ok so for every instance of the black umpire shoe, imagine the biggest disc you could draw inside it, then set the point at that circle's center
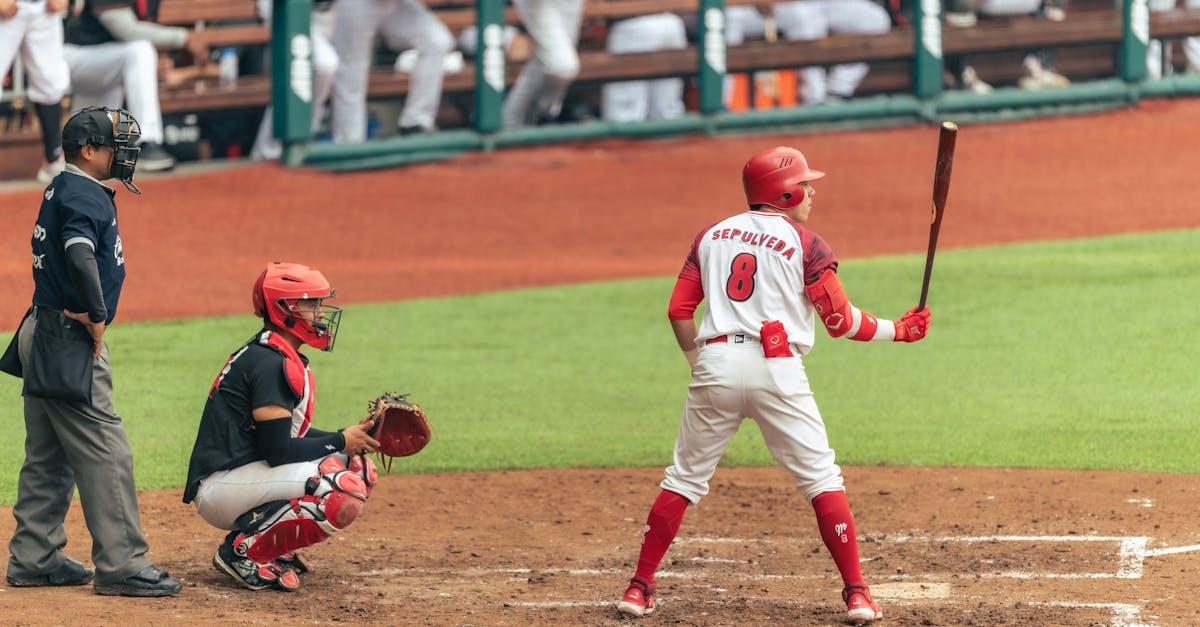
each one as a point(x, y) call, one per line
point(154, 158)
point(147, 582)
point(70, 573)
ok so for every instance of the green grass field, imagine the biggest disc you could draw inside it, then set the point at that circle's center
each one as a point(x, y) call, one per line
point(1074, 354)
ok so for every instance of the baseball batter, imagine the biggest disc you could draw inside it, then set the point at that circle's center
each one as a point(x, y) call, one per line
point(259, 469)
point(34, 28)
point(768, 280)
point(541, 87)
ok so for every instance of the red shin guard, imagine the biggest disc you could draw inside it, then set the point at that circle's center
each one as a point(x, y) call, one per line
point(661, 526)
point(836, 523)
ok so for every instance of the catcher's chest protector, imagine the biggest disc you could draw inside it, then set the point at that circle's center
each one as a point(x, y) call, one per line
point(298, 376)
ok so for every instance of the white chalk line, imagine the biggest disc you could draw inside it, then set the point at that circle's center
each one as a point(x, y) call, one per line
point(1172, 550)
point(1131, 554)
point(894, 593)
point(1124, 614)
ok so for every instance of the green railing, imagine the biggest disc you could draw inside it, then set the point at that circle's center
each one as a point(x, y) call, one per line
point(927, 101)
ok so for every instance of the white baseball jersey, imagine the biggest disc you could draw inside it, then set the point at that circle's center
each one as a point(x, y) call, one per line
point(753, 267)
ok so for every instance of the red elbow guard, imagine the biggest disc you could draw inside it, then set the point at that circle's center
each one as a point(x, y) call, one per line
point(833, 308)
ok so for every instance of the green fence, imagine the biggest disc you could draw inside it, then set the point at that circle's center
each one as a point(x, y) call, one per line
point(926, 102)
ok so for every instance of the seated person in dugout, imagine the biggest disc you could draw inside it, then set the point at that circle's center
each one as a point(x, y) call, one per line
point(258, 468)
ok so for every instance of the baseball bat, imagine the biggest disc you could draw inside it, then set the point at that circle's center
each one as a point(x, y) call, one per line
point(941, 187)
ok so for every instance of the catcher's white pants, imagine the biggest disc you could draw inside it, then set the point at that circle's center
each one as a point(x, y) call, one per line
point(38, 36)
point(658, 99)
point(733, 381)
point(226, 494)
point(118, 74)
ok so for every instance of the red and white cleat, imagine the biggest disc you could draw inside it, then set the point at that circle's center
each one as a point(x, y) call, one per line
point(638, 600)
point(860, 607)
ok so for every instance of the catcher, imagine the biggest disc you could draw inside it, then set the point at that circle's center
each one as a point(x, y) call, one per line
point(258, 468)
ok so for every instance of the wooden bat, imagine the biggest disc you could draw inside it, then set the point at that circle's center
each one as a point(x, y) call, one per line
point(941, 187)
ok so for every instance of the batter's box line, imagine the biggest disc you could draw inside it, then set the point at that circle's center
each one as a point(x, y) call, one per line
point(1124, 614)
point(1131, 553)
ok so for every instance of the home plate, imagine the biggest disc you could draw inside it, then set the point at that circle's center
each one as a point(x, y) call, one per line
point(911, 590)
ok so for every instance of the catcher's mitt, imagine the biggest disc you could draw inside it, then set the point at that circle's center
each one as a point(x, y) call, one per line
point(400, 426)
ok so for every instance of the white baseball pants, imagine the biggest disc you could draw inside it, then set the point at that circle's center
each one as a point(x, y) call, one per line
point(403, 24)
point(325, 65)
point(1191, 45)
point(542, 85)
point(816, 19)
point(227, 494)
point(658, 99)
point(38, 37)
point(118, 74)
point(732, 381)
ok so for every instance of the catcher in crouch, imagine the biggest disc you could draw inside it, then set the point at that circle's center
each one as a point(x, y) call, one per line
point(258, 468)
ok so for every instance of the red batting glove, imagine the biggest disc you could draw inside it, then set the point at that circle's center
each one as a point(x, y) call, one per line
point(913, 325)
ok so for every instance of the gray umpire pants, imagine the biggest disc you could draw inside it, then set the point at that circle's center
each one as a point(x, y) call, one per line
point(69, 444)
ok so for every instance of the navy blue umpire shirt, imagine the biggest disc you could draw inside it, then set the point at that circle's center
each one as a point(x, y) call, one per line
point(76, 208)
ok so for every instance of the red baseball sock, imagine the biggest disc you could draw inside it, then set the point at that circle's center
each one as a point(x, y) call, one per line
point(837, 530)
point(661, 526)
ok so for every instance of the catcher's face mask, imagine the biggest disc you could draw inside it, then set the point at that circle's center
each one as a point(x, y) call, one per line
point(314, 322)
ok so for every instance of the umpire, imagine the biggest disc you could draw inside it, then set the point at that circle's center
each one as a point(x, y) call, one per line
point(72, 434)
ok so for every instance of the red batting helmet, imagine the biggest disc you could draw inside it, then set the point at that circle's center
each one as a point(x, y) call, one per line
point(774, 177)
point(277, 293)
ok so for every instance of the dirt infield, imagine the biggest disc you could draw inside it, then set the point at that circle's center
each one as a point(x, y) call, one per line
point(942, 546)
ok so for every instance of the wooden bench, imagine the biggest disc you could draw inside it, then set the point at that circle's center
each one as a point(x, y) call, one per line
point(1087, 42)
point(225, 22)
point(222, 21)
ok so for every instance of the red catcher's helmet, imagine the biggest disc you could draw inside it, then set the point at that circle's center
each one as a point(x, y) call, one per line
point(276, 297)
point(774, 177)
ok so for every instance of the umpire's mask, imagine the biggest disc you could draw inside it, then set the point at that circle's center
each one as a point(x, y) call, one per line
point(101, 126)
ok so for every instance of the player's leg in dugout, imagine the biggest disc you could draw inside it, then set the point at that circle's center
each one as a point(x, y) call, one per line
point(859, 17)
point(652, 99)
point(357, 22)
point(540, 88)
point(109, 75)
point(805, 21)
point(411, 24)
